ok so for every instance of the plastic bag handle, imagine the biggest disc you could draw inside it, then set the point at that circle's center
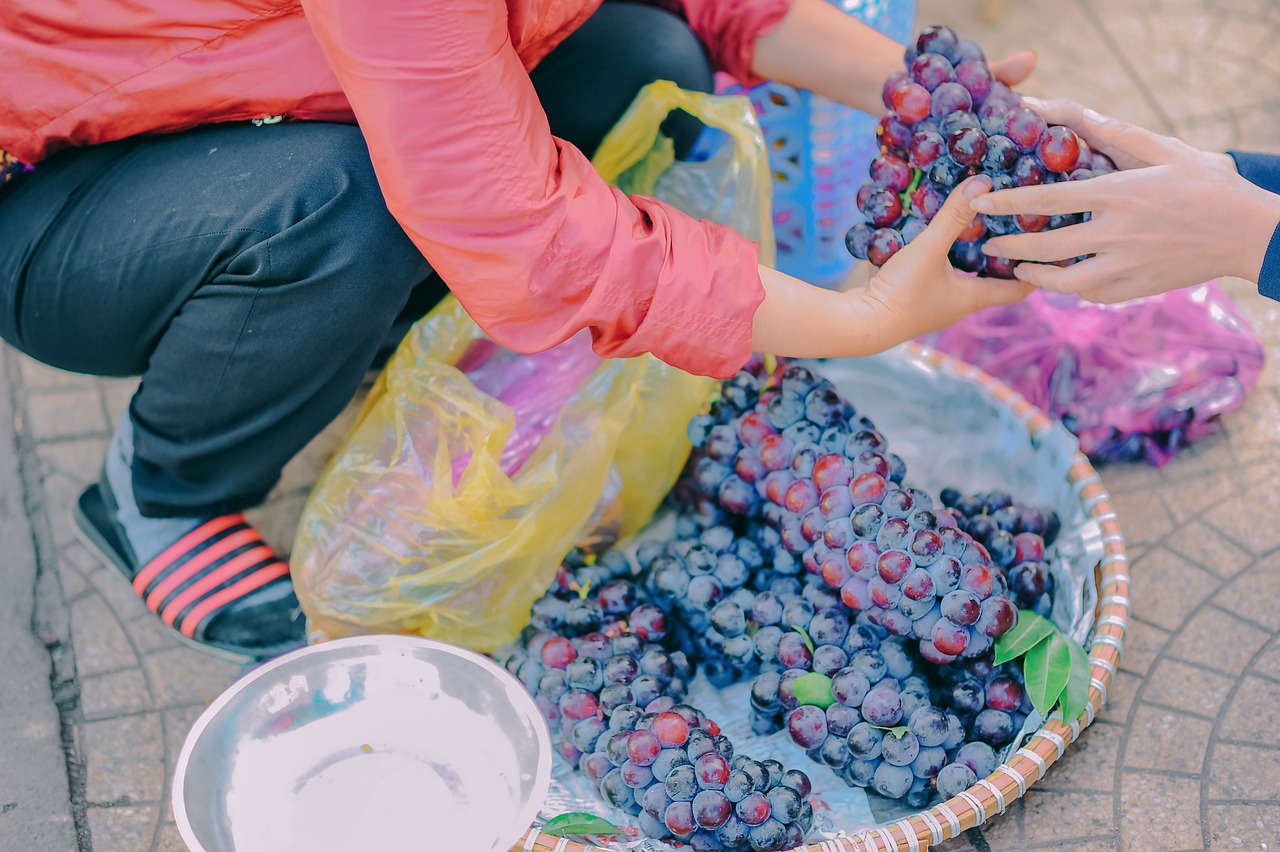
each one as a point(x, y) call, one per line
point(636, 135)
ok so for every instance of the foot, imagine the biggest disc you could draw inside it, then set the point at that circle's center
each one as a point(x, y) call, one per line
point(213, 580)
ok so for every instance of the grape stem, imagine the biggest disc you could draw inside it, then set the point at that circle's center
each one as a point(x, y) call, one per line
point(917, 177)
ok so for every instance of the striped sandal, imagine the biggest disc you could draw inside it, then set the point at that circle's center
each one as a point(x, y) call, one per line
point(220, 586)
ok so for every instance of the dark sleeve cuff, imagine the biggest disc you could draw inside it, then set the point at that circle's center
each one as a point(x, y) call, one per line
point(1269, 277)
point(1260, 169)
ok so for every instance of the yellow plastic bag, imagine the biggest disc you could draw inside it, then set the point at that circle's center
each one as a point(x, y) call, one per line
point(439, 514)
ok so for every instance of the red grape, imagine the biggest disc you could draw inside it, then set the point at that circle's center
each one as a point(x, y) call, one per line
point(884, 244)
point(911, 102)
point(1060, 149)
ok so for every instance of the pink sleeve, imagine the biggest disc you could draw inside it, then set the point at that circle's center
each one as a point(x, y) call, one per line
point(528, 237)
point(729, 29)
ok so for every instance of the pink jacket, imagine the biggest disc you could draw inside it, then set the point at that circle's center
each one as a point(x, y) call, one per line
point(532, 242)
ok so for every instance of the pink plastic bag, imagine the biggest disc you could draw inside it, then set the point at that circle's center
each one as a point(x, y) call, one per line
point(535, 387)
point(1133, 381)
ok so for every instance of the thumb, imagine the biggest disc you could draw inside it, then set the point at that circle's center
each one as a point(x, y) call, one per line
point(1130, 139)
point(955, 215)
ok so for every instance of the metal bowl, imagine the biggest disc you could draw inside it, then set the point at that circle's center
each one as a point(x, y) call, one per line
point(373, 742)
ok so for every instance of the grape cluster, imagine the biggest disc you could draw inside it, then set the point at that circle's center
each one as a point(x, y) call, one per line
point(991, 703)
point(1016, 536)
point(950, 119)
point(674, 770)
point(796, 457)
point(862, 613)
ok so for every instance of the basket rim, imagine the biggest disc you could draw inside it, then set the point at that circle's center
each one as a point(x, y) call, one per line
point(1010, 780)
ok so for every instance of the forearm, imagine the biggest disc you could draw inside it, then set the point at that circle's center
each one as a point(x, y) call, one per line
point(799, 320)
point(820, 48)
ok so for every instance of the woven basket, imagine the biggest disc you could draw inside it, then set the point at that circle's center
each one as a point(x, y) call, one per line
point(991, 795)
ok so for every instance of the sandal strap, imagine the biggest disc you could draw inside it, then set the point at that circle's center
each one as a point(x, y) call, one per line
point(213, 566)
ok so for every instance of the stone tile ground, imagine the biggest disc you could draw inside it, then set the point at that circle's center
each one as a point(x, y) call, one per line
point(1186, 755)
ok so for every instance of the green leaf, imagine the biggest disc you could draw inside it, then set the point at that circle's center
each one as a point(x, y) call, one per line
point(814, 688)
point(1030, 630)
point(1076, 695)
point(808, 643)
point(579, 824)
point(1046, 669)
point(898, 731)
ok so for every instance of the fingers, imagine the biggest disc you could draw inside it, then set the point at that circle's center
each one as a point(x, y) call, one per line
point(1081, 277)
point(1047, 246)
point(1077, 196)
point(991, 292)
point(1110, 134)
point(954, 217)
point(1012, 70)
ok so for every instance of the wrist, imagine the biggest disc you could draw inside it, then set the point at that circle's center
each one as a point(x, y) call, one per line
point(1255, 226)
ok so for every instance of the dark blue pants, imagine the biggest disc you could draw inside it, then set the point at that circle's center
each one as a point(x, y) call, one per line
point(252, 275)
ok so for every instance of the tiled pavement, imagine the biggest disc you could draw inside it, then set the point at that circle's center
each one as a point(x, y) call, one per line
point(1187, 755)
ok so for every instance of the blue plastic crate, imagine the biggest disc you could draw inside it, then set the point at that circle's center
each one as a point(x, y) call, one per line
point(819, 151)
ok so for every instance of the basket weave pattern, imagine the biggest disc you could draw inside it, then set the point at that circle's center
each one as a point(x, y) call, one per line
point(990, 796)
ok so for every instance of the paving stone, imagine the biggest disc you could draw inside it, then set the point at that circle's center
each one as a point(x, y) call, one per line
point(177, 724)
point(122, 829)
point(1120, 695)
point(64, 412)
point(1166, 588)
point(1146, 519)
point(116, 396)
point(1090, 763)
point(1142, 643)
point(1238, 519)
point(1268, 662)
point(126, 759)
point(1244, 827)
point(1253, 595)
point(149, 633)
point(1054, 817)
point(100, 642)
point(114, 694)
point(1191, 498)
point(73, 581)
point(1242, 772)
point(1159, 812)
point(118, 593)
point(1165, 739)
point(1214, 638)
point(184, 675)
point(1195, 690)
point(1208, 549)
point(170, 840)
point(38, 376)
point(1254, 714)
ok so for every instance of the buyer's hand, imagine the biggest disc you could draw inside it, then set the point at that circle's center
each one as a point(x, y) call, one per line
point(916, 292)
point(1172, 217)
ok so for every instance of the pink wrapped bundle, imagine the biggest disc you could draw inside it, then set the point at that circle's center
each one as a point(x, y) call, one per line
point(535, 387)
point(1133, 381)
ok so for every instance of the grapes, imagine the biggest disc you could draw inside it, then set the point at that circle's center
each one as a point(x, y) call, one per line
point(950, 118)
point(861, 611)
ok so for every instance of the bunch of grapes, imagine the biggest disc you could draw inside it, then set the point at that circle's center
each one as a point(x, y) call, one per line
point(871, 720)
point(795, 456)
point(1016, 536)
point(950, 119)
point(592, 595)
point(578, 683)
point(674, 770)
point(992, 704)
point(734, 620)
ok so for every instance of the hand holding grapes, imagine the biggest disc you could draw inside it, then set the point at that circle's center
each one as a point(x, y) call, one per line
point(917, 291)
point(1174, 216)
